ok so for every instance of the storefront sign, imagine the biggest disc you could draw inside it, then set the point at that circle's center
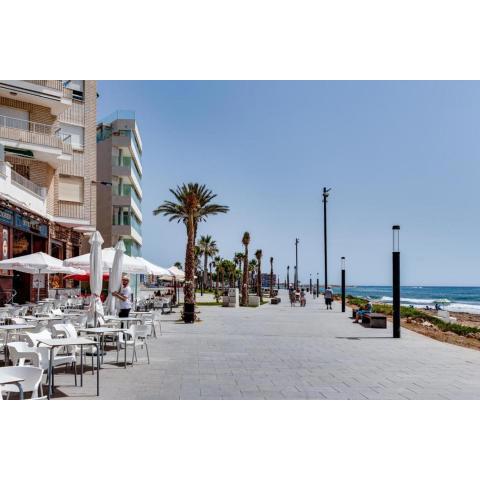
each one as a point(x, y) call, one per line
point(5, 244)
point(4, 255)
point(31, 225)
point(6, 216)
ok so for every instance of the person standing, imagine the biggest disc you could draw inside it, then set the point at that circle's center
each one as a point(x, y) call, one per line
point(125, 296)
point(328, 295)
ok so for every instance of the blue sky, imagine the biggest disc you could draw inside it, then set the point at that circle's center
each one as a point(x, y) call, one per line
point(392, 152)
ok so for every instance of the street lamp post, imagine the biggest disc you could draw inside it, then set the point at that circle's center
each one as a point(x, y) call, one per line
point(311, 284)
point(325, 199)
point(288, 276)
point(318, 286)
point(396, 280)
point(296, 263)
point(343, 283)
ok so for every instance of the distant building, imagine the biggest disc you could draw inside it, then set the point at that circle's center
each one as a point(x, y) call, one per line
point(119, 154)
point(266, 280)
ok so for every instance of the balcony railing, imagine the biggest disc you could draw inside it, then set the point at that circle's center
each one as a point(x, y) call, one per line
point(55, 84)
point(21, 181)
point(32, 132)
point(28, 184)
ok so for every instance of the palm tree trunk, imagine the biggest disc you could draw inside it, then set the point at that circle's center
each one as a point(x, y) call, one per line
point(205, 269)
point(259, 281)
point(189, 285)
point(245, 279)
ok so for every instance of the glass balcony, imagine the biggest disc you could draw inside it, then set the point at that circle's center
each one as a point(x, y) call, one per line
point(129, 191)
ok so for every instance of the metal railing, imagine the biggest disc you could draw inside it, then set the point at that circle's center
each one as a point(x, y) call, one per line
point(55, 84)
point(28, 184)
point(39, 133)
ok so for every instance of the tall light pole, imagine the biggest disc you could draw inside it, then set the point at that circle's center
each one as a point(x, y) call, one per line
point(311, 292)
point(318, 286)
point(343, 283)
point(325, 199)
point(288, 276)
point(396, 280)
point(296, 263)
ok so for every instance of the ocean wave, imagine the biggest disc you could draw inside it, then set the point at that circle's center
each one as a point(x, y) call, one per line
point(417, 301)
point(463, 307)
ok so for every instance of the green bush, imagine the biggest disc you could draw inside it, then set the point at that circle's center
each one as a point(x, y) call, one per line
point(412, 312)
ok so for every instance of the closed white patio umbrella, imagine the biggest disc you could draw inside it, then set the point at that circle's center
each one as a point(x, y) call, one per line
point(115, 278)
point(96, 277)
point(38, 263)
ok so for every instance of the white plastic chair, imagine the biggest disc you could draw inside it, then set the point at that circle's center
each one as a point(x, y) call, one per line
point(135, 336)
point(68, 359)
point(32, 380)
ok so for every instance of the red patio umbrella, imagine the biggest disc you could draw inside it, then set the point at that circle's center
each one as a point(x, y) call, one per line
point(82, 278)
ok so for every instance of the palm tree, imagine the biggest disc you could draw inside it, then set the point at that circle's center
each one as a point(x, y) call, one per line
point(208, 248)
point(258, 256)
point(192, 205)
point(216, 264)
point(271, 277)
point(210, 283)
point(245, 241)
point(178, 265)
point(252, 266)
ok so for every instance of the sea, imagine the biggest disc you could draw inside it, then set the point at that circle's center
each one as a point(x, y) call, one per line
point(454, 299)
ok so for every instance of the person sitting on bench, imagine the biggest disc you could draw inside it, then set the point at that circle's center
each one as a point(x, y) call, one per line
point(361, 312)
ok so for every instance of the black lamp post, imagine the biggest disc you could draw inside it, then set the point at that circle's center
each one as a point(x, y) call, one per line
point(325, 199)
point(311, 284)
point(296, 263)
point(343, 283)
point(396, 280)
point(318, 286)
point(288, 276)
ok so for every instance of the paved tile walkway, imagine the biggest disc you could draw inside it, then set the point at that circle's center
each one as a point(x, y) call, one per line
point(279, 352)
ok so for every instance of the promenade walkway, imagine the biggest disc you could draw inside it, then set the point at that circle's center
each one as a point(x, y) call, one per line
point(280, 352)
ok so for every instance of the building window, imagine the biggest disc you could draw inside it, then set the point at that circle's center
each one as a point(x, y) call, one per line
point(74, 132)
point(70, 189)
point(14, 118)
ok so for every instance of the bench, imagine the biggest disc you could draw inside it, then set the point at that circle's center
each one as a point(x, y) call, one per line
point(375, 320)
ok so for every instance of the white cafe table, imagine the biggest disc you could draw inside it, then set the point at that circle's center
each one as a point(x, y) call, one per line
point(102, 331)
point(53, 343)
point(127, 320)
point(7, 379)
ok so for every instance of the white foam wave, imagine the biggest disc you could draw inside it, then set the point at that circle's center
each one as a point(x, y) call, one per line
point(417, 301)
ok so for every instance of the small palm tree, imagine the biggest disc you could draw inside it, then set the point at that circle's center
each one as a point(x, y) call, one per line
point(252, 266)
point(245, 242)
point(216, 264)
point(208, 248)
point(178, 265)
point(193, 204)
point(258, 256)
point(271, 277)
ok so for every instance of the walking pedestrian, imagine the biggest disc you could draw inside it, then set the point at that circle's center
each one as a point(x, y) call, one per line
point(328, 295)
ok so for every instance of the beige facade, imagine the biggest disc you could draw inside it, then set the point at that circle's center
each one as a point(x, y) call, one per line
point(47, 164)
